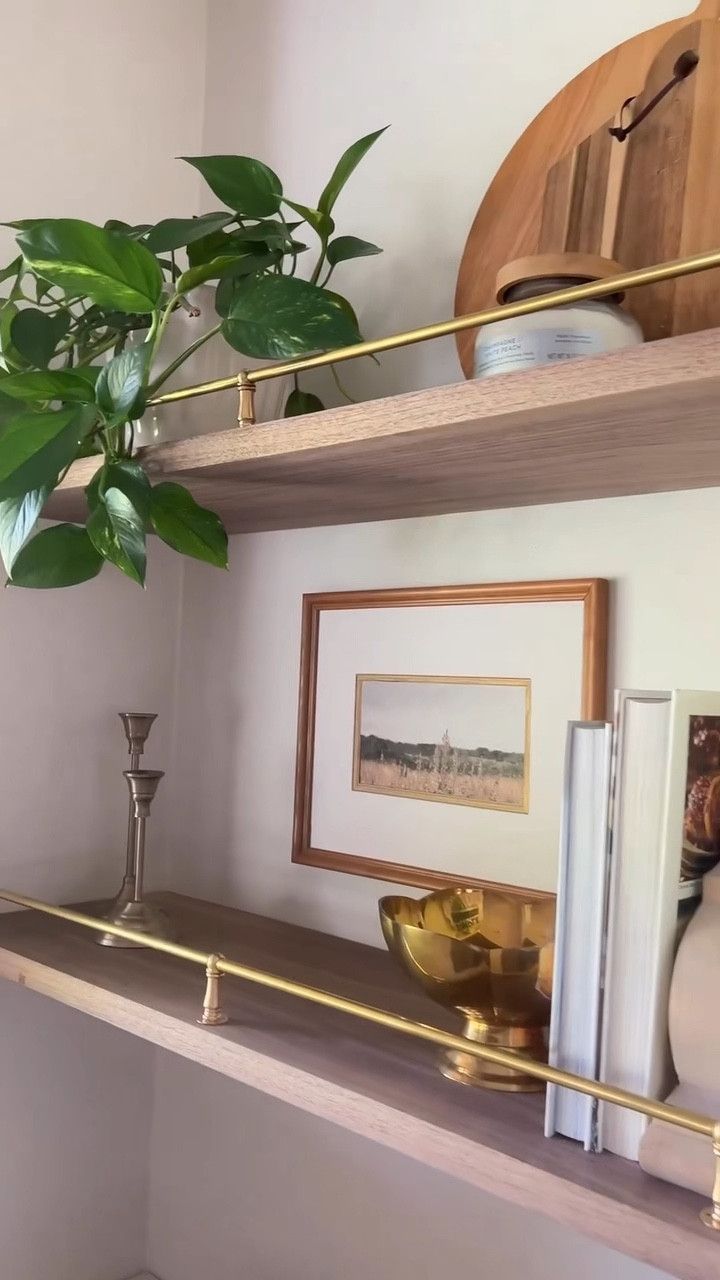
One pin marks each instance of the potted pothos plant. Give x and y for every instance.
(81, 341)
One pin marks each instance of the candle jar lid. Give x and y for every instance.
(558, 268)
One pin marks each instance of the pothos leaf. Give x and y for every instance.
(187, 527)
(60, 556)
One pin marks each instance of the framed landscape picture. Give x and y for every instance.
(431, 728)
(402, 749)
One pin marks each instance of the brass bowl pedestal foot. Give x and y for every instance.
(464, 1068)
(487, 955)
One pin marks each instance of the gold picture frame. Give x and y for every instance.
(439, 796)
(592, 593)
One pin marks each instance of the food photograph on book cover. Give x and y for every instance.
(432, 724)
(701, 827)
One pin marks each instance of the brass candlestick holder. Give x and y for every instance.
(488, 955)
(135, 913)
(137, 725)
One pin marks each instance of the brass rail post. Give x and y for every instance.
(711, 1217)
(246, 407)
(212, 1014)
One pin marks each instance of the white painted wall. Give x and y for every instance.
(247, 1188)
(75, 1114)
(98, 97)
(286, 1194)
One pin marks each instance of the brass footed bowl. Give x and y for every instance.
(487, 954)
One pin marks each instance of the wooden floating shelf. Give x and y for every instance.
(644, 420)
(373, 1082)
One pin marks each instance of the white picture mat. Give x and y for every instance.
(540, 641)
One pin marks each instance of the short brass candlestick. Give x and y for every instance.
(136, 914)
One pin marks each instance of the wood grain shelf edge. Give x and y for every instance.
(636, 421)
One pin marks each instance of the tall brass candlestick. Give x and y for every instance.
(137, 725)
(136, 914)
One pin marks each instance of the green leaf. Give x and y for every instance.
(218, 244)
(121, 382)
(345, 306)
(267, 231)
(321, 222)
(106, 266)
(186, 527)
(233, 244)
(60, 556)
(18, 517)
(130, 479)
(10, 355)
(36, 447)
(244, 184)
(90, 448)
(8, 407)
(49, 384)
(212, 270)
(342, 248)
(117, 531)
(233, 277)
(12, 269)
(135, 232)
(92, 490)
(176, 233)
(20, 224)
(277, 317)
(35, 335)
(299, 402)
(345, 166)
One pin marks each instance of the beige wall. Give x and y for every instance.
(98, 97)
(248, 1188)
(295, 83)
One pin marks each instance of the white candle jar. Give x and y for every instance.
(561, 333)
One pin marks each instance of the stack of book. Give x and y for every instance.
(641, 824)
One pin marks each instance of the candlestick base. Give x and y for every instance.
(141, 917)
(124, 896)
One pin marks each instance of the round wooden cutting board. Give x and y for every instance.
(567, 185)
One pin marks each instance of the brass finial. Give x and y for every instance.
(246, 409)
(711, 1216)
(212, 1014)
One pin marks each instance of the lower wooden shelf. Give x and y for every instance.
(371, 1081)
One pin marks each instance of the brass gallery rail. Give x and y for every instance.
(216, 966)
(246, 381)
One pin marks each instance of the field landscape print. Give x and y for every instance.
(455, 739)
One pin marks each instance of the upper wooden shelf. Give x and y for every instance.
(644, 420)
(381, 1084)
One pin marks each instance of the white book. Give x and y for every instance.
(655, 771)
(580, 926)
